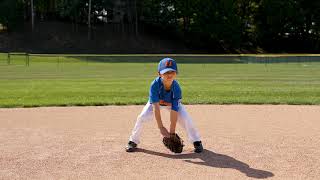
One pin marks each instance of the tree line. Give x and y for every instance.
(214, 25)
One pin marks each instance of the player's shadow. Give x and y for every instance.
(216, 160)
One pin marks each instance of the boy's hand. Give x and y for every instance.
(164, 132)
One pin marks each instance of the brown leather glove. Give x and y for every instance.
(174, 143)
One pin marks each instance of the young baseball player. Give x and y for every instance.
(165, 93)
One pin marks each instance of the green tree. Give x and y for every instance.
(11, 13)
(288, 25)
(247, 10)
(217, 25)
(158, 12)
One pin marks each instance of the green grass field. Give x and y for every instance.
(72, 81)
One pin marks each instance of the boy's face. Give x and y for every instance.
(168, 76)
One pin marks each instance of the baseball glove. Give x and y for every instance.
(174, 143)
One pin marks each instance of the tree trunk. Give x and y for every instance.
(89, 21)
(32, 16)
(136, 17)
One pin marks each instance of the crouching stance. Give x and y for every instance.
(165, 94)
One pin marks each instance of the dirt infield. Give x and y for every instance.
(241, 142)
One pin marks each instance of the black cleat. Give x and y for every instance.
(132, 146)
(198, 148)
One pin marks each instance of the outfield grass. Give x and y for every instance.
(72, 81)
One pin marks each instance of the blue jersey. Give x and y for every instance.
(158, 93)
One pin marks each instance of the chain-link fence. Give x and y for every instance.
(28, 59)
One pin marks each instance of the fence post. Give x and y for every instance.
(266, 61)
(27, 59)
(8, 59)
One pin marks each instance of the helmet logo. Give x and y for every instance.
(168, 63)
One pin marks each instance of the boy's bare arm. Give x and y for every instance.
(157, 115)
(173, 120)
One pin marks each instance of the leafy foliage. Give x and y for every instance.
(217, 26)
(11, 13)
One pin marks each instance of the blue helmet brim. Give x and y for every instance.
(166, 70)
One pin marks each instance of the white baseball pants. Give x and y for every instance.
(147, 115)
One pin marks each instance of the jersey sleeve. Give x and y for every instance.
(154, 92)
(176, 97)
